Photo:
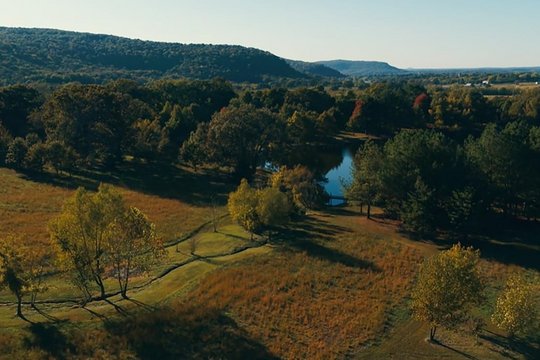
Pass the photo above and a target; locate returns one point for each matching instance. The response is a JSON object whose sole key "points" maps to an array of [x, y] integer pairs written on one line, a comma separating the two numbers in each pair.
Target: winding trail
{"points": [[168, 270]]}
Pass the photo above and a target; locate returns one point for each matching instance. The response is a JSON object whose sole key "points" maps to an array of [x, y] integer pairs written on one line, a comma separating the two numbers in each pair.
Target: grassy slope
{"points": [[29, 205], [334, 286]]}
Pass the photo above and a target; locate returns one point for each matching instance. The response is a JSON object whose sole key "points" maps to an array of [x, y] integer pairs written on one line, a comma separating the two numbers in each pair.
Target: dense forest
{"points": [[363, 68], [54, 56], [444, 158]]}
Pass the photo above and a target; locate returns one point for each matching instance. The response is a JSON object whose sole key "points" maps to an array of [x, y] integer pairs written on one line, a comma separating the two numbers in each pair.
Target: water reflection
{"points": [[335, 176], [331, 164]]}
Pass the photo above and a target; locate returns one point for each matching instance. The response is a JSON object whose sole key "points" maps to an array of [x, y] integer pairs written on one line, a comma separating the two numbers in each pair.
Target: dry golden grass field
{"points": [[333, 285]]}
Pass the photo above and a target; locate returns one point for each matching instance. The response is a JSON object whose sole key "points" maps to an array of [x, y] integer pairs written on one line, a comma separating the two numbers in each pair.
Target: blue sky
{"points": [[405, 33]]}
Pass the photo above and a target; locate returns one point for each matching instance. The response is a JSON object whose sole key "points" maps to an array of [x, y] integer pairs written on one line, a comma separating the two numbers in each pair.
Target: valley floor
{"points": [[333, 285]]}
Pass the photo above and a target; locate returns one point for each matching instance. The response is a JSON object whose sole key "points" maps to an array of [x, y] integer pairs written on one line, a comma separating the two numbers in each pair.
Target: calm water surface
{"points": [[337, 175], [332, 164]]}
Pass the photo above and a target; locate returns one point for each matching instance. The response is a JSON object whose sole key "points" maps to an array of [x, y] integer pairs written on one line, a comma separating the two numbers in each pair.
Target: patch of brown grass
{"points": [[305, 306], [26, 207]]}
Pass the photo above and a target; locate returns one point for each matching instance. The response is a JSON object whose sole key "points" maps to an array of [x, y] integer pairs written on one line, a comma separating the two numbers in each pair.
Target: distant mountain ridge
{"points": [[482, 70], [57, 56], [314, 69], [362, 68]]}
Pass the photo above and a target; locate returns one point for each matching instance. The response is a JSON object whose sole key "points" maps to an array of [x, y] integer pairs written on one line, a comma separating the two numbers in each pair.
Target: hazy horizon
{"points": [[417, 34]]}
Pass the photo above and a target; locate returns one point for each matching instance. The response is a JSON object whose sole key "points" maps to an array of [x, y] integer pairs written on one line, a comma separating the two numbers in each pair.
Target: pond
{"points": [[331, 164], [337, 175]]}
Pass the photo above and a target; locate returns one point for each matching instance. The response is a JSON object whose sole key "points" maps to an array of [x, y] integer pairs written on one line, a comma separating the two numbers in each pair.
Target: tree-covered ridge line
{"points": [[55, 56], [363, 68], [315, 69]]}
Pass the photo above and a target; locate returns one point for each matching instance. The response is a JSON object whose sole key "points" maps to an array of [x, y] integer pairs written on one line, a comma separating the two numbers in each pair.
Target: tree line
{"points": [[210, 122], [450, 156], [431, 182]]}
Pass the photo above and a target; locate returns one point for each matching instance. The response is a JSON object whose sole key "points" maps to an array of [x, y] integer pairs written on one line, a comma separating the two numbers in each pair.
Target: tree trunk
{"points": [[19, 305], [126, 281], [33, 300], [86, 295], [432, 332], [369, 210], [119, 278], [101, 287]]}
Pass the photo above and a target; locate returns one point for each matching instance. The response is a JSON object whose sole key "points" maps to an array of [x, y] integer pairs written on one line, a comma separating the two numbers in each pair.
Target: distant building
{"points": [[468, 85], [485, 82]]}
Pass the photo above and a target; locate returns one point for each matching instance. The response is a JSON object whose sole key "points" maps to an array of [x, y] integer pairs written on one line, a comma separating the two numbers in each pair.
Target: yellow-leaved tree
{"points": [[517, 306], [242, 205], [448, 285], [133, 246], [264, 209], [97, 236], [273, 208], [22, 268]]}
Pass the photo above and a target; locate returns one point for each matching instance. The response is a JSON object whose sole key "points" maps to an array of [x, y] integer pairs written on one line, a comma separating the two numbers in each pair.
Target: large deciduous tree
{"points": [[243, 138], [22, 268], [132, 246], [301, 187], [516, 310], [273, 208], [16, 153], [448, 285], [505, 165], [97, 233], [93, 120], [242, 206]]}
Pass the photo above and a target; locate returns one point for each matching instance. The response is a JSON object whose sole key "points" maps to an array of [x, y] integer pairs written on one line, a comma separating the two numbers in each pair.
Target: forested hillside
{"points": [[315, 69], [362, 68], [54, 56]]}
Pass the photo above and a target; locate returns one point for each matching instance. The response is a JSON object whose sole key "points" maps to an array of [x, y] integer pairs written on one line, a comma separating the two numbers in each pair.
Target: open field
{"points": [[29, 204], [524, 85], [333, 285]]}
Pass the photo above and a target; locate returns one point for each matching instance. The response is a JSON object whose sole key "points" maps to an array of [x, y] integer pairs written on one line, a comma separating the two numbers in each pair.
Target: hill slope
{"points": [[314, 69], [56, 56], [362, 68]]}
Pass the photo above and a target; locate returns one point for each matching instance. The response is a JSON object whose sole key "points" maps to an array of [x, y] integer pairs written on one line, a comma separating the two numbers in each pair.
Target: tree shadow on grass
{"points": [[160, 179], [322, 229], [187, 333], [96, 314], [50, 339], [120, 310], [46, 315], [510, 241], [529, 349], [465, 355], [341, 211], [141, 304], [309, 236]]}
